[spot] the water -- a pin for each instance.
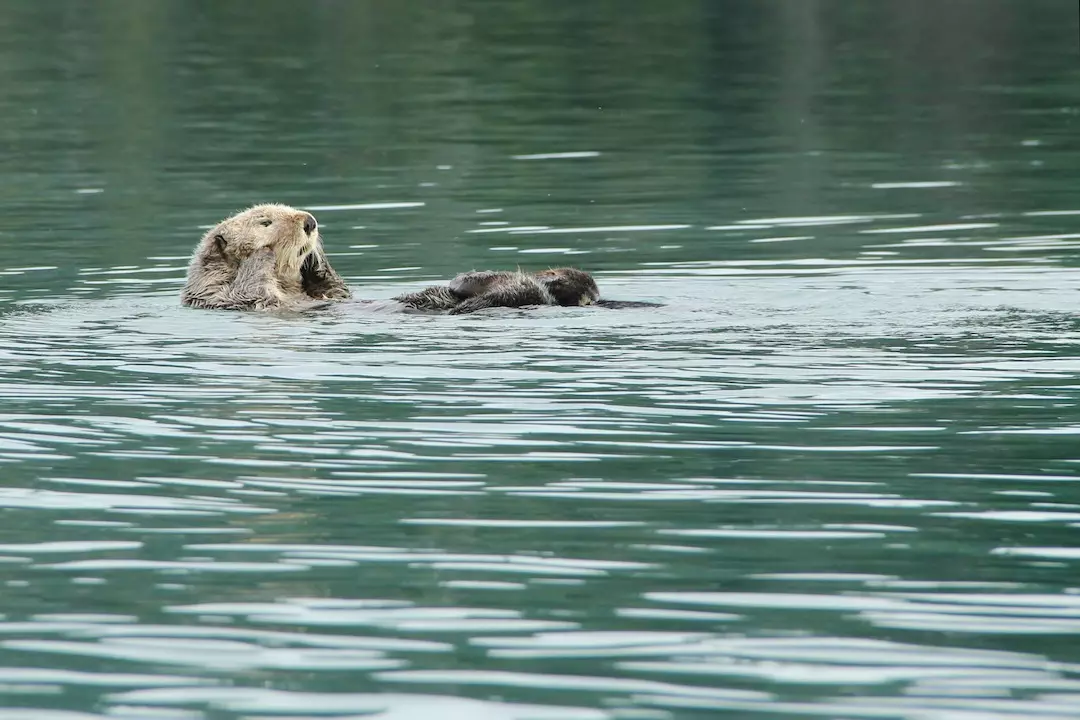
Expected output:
(835, 475)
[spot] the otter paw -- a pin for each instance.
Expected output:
(332, 294)
(339, 293)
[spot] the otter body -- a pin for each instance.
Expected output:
(266, 257)
(481, 289)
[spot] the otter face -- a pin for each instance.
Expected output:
(570, 286)
(290, 233)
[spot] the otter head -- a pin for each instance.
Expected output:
(291, 234)
(569, 286)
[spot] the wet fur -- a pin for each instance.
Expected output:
(319, 280)
(570, 286)
(244, 264)
(434, 298)
(480, 289)
(516, 290)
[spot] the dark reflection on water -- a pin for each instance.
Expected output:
(834, 475)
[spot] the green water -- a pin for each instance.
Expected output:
(834, 475)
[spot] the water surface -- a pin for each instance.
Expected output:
(834, 475)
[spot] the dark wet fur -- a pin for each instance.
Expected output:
(473, 283)
(519, 292)
(570, 286)
(479, 289)
(474, 291)
(319, 280)
(435, 298)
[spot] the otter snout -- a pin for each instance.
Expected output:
(309, 224)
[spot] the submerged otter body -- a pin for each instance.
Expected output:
(481, 289)
(266, 257)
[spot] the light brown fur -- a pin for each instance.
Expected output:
(266, 257)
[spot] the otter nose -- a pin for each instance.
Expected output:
(310, 224)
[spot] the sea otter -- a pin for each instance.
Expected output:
(270, 257)
(472, 291)
(266, 257)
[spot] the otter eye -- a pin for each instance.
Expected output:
(266, 223)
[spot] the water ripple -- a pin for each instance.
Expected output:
(392, 706)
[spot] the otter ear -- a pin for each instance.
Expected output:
(215, 250)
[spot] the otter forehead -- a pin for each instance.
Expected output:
(268, 222)
(271, 210)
